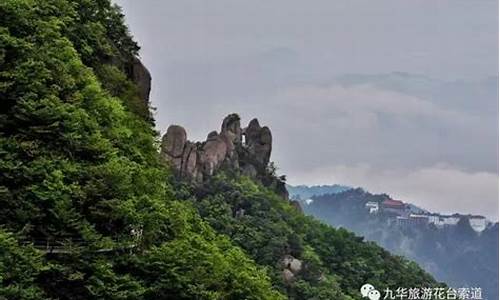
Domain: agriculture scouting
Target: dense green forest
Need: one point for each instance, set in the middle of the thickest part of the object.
(88, 210)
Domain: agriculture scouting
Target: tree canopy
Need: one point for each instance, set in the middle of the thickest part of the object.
(80, 171)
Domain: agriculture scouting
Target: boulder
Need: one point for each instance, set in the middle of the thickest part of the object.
(231, 129)
(263, 152)
(259, 141)
(252, 132)
(288, 276)
(291, 263)
(173, 145)
(213, 153)
(174, 140)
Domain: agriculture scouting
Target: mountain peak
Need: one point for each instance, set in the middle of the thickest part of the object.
(245, 151)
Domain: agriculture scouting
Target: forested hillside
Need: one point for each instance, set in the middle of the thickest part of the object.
(79, 170)
(89, 210)
(456, 254)
(334, 262)
(304, 192)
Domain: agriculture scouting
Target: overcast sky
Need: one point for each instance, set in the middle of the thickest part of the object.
(395, 96)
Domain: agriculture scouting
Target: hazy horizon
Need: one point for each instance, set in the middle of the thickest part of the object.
(393, 96)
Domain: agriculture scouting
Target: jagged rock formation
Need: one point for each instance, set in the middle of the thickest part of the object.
(245, 151)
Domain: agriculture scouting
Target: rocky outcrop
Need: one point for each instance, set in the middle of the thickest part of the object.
(259, 141)
(138, 74)
(142, 78)
(173, 144)
(291, 267)
(291, 263)
(246, 151)
(288, 276)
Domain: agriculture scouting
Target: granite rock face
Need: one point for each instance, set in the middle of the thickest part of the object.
(291, 263)
(291, 267)
(142, 78)
(174, 141)
(259, 141)
(246, 151)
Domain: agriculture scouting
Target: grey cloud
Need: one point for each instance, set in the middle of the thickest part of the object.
(356, 124)
(473, 96)
(450, 38)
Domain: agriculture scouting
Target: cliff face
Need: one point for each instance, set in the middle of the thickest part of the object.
(246, 151)
(139, 74)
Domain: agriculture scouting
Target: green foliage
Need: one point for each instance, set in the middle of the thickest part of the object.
(336, 263)
(211, 269)
(62, 136)
(80, 174)
(79, 171)
(19, 267)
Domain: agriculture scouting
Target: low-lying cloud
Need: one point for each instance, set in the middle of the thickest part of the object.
(348, 125)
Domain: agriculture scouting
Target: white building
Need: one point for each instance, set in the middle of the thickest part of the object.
(450, 220)
(372, 206)
(478, 223)
(444, 220)
(436, 220)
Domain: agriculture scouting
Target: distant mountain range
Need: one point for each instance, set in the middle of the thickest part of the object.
(304, 192)
(461, 250)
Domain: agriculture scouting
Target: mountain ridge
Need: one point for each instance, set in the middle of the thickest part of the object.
(305, 192)
(448, 246)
